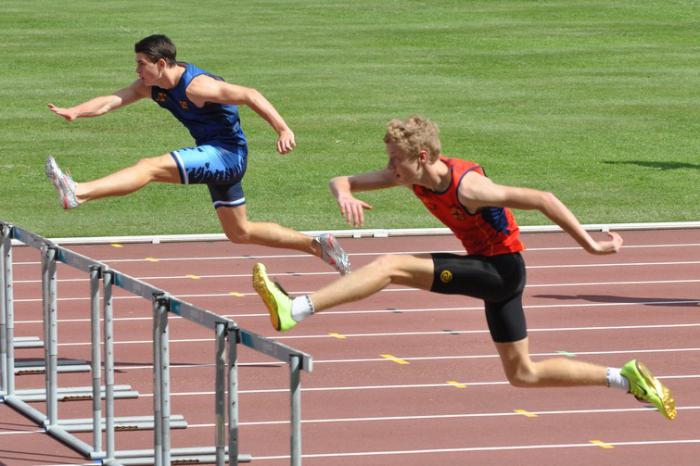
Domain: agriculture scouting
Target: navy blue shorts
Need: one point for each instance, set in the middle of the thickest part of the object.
(498, 280)
(220, 167)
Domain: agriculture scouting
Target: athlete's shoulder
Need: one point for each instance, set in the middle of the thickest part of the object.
(461, 167)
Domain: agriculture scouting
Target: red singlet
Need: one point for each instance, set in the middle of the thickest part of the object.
(489, 232)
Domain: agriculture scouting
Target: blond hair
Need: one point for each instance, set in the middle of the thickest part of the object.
(413, 135)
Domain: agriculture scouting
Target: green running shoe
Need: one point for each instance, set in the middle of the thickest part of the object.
(646, 388)
(278, 302)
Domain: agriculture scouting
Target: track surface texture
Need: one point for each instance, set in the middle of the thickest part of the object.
(404, 377)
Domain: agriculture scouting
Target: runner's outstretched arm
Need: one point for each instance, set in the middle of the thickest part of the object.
(478, 191)
(100, 105)
(342, 187)
(204, 89)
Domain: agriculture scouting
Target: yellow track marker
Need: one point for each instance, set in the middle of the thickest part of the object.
(525, 413)
(193, 277)
(454, 383)
(151, 259)
(393, 358)
(236, 294)
(117, 245)
(602, 444)
(337, 335)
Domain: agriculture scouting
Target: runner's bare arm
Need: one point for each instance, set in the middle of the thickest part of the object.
(205, 89)
(477, 191)
(103, 104)
(342, 187)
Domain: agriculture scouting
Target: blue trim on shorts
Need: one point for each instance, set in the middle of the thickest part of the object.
(180, 167)
(236, 203)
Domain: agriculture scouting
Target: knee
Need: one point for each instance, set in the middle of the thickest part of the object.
(521, 374)
(239, 233)
(388, 265)
(156, 168)
(148, 168)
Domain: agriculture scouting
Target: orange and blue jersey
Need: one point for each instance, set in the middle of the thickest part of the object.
(490, 231)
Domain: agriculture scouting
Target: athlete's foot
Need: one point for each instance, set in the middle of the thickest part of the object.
(64, 184)
(333, 254)
(278, 302)
(645, 387)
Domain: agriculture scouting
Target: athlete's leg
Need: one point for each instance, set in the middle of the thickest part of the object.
(285, 313)
(635, 378)
(521, 371)
(410, 270)
(239, 229)
(162, 168)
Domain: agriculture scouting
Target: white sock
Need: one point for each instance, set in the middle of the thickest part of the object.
(617, 380)
(302, 307)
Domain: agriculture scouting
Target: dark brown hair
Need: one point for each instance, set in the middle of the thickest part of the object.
(157, 46)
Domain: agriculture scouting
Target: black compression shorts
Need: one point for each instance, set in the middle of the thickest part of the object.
(498, 280)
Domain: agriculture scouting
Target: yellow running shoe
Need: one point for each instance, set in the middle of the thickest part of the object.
(645, 387)
(278, 302)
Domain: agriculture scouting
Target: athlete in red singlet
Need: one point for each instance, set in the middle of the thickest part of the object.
(476, 209)
(489, 232)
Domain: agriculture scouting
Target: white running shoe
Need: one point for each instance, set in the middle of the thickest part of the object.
(333, 254)
(64, 184)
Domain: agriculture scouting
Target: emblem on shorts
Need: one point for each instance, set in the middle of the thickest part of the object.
(184, 105)
(445, 276)
(161, 97)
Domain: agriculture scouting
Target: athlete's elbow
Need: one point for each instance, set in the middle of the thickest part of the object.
(252, 97)
(547, 201)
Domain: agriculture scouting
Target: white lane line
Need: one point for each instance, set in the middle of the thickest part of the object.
(452, 416)
(377, 387)
(355, 254)
(486, 331)
(307, 274)
(482, 449)
(391, 290)
(21, 432)
(496, 356)
(399, 334)
(430, 358)
(398, 311)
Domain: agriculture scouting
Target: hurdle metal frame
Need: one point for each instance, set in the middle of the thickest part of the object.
(227, 335)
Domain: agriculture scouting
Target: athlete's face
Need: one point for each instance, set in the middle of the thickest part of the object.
(404, 167)
(148, 71)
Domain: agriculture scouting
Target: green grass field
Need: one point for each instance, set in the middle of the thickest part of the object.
(597, 101)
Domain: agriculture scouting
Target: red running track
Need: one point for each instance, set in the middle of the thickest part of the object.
(404, 377)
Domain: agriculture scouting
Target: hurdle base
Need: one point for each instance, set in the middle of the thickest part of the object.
(122, 424)
(74, 393)
(27, 342)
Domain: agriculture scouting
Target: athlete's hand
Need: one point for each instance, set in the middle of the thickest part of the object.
(608, 247)
(285, 142)
(352, 209)
(66, 113)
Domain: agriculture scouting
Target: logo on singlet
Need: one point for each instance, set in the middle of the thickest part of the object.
(445, 276)
(457, 213)
(183, 105)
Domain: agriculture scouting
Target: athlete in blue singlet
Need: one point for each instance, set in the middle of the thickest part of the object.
(207, 106)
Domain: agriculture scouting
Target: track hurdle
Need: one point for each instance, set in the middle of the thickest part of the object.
(227, 335)
(61, 429)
